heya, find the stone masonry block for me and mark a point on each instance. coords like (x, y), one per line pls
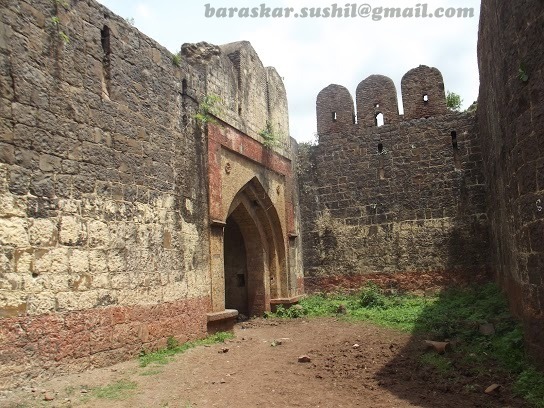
(14, 232)
(72, 231)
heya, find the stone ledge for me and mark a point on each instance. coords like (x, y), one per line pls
(286, 301)
(223, 315)
(218, 223)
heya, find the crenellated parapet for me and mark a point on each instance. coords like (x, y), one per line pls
(377, 95)
(423, 93)
(423, 96)
(335, 110)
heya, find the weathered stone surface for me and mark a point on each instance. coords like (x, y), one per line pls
(104, 205)
(72, 231)
(13, 232)
(511, 118)
(407, 196)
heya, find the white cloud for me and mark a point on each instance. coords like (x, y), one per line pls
(143, 11)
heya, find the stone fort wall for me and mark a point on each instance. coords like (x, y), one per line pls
(104, 205)
(405, 197)
(511, 120)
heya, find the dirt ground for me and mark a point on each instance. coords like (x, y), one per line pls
(352, 365)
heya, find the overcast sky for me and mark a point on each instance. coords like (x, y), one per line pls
(313, 53)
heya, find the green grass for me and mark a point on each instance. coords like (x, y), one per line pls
(117, 391)
(530, 385)
(455, 314)
(441, 363)
(173, 347)
(147, 373)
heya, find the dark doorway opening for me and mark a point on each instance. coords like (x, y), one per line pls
(235, 268)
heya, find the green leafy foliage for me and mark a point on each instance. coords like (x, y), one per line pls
(530, 385)
(176, 59)
(372, 297)
(172, 343)
(453, 101)
(64, 37)
(522, 73)
(292, 312)
(270, 137)
(207, 109)
(55, 21)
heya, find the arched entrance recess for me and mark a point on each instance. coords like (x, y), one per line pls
(255, 268)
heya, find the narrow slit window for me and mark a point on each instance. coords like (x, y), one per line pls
(381, 169)
(106, 61)
(454, 140)
(184, 87)
(425, 98)
(456, 153)
(379, 119)
(334, 117)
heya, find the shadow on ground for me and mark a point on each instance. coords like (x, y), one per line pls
(477, 328)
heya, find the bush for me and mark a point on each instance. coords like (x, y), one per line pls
(371, 296)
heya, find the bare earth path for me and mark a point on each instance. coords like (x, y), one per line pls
(382, 371)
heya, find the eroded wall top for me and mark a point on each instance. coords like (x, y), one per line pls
(253, 96)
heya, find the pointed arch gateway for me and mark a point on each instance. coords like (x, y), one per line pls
(254, 269)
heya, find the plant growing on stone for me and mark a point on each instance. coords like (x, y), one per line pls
(176, 59)
(64, 37)
(522, 73)
(270, 138)
(55, 21)
(208, 109)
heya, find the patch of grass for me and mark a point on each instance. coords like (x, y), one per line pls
(293, 312)
(117, 391)
(441, 363)
(150, 372)
(70, 390)
(370, 304)
(530, 385)
(173, 347)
